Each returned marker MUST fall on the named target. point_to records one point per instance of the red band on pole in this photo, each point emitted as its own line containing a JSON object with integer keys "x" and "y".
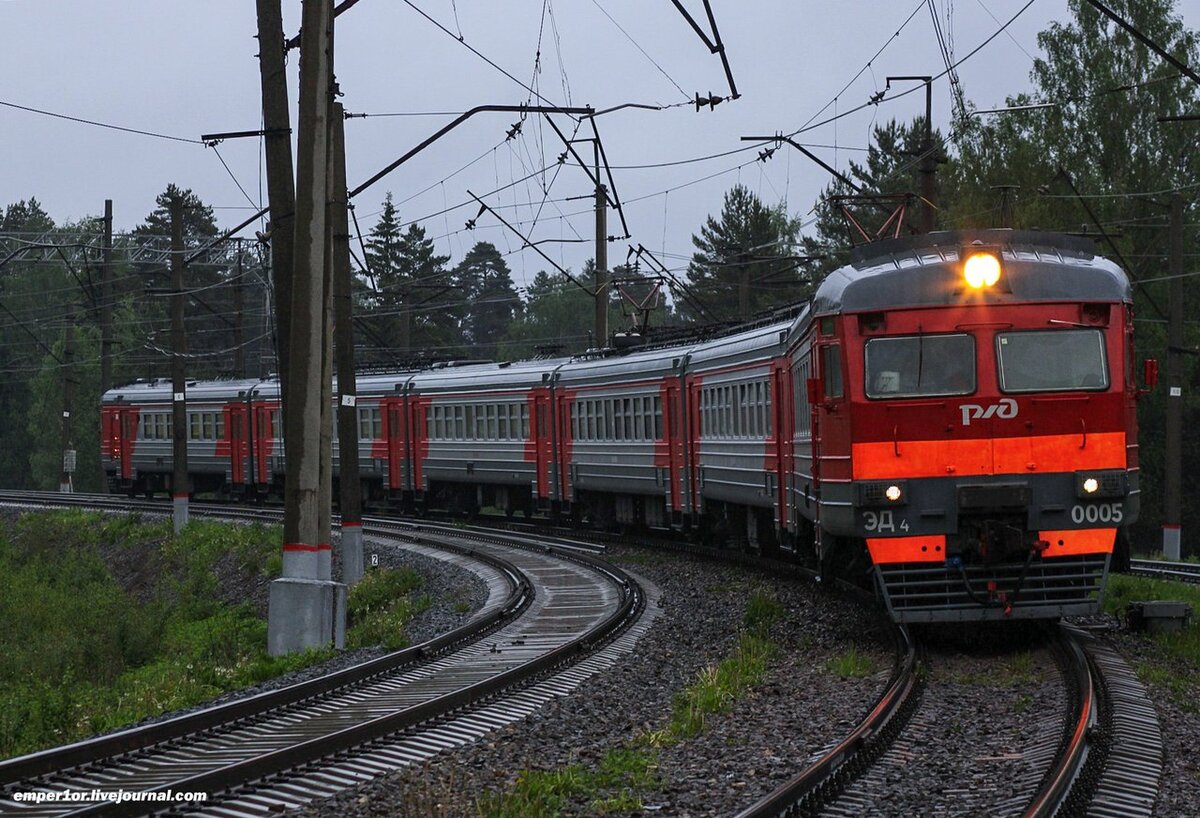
{"x": 181, "y": 496}
{"x": 294, "y": 546}
{"x": 350, "y": 524}
{"x": 324, "y": 547}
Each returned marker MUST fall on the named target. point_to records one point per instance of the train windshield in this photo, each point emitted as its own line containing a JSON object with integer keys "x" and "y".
{"x": 1052, "y": 360}
{"x": 920, "y": 366}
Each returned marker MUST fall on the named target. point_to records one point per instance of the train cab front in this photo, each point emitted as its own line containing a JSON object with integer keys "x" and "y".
{"x": 991, "y": 427}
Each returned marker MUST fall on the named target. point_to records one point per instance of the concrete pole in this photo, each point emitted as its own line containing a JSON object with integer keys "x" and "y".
{"x": 301, "y": 604}
{"x": 179, "y": 477}
{"x": 106, "y": 305}
{"x": 601, "y": 257}
{"x": 1172, "y": 515}
{"x": 106, "y": 301}
{"x": 281, "y": 190}
{"x": 350, "y": 485}
{"x": 928, "y": 164}
{"x": 239, "y": 319}
{"x": 65, "y": 484}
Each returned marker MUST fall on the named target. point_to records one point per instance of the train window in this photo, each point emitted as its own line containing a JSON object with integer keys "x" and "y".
{"x": 920, "y": 366}
{"x": 275, "y": 416}
{"x": 658, "y": 418}
{"x": 460, "y": 428}
{"x": 1052, "y": 360}
{"x": 755, "y": 413}
{"x": 194, "y": 426}
{"x": 493, "y": 432}
{"x": 524, "y": 421}
{"x": 768, "y": 423}
{"x": 370, "y": 423}
{"x": 831, "y": 370}
{"x": 627, "y": 412}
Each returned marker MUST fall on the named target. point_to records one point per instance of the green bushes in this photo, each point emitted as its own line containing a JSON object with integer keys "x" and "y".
{"x": 79, "y": 654}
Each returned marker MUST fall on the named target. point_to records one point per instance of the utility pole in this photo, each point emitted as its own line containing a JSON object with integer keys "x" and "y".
{"x": 928, "y": 160}
{"x": 744, "y": 287}
{"x": 301, "y": 607}
{"x": 106, "y": 299}
{"x": 350, "y": 487}
{"x": 68, "y": 451}
{"x": 179, "y": 478}
{"x": 1172, "y": 515}
{"x": 601, "y": 255}
{"x": 239, "y": 309}
{"x": 281, "y": 190}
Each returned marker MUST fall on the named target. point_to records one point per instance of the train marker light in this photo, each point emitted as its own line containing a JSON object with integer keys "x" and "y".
{"x": 981, "y": 270}
{"x": 893, "y": 493}
{"x": 1091, "y": 485}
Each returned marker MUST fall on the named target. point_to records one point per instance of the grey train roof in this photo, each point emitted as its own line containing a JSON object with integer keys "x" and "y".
{"x": 917, "y": 271}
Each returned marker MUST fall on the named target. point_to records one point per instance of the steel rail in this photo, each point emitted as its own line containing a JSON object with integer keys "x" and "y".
{"x": 1057, "y": 785}
{"x": 232, "y": 776}
{"x": 1160, "y": 569}
{"x": 108, "y": 746}
{"x": 872, "y": 734}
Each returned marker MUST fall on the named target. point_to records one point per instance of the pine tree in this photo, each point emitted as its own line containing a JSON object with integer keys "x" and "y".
{"x": 490, "y": 301}
{"x": 744, "y": 261}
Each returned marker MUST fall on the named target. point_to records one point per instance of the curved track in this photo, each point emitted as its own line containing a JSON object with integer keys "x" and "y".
{"x": 828, "y": 775}
{"x": 556, "y": 607}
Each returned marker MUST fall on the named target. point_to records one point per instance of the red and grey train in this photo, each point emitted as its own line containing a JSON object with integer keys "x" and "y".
{"x": 952, "y": 414}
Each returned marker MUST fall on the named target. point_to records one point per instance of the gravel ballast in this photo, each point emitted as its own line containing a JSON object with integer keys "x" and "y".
{"x": 800, "y": 706}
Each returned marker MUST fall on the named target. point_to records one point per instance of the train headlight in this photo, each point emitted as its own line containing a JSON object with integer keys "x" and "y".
{"x": 981, "y": 270}
{"x": 1092, "y": 485}
{"x": 882, "y": 493}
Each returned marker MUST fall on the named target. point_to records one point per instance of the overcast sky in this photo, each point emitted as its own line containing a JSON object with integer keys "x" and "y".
{"x": 181, "y": 68}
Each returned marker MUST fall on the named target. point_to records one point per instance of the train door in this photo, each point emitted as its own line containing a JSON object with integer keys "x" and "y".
{"x": 124, "y": 431}
{"x": 565, "y": 440}
{"x": 235, "y": 423}
{"x": 691, "y": 428}
{"x": 673, "y": 430}
{"x": 264, "y": 440}
{"x": 540, "y": 433}
{"x": 397, "y": 446}
{"x": 780, "y": 438}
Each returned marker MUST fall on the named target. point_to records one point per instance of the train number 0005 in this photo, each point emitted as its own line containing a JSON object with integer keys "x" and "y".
{"x": 1097, "y": 513}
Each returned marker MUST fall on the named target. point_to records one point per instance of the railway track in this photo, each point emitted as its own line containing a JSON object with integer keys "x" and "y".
{"x": 557, "y": 615}
{"x": 1100, "y": 756}
{"x": 1160, "y": 569}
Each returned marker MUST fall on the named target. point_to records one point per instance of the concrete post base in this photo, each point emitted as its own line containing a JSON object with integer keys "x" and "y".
{"x": 179, "y": 511}
{"x": 1171, "y": 543}
{"x": 301, "y": 614}
{"x": 352, "y": 553}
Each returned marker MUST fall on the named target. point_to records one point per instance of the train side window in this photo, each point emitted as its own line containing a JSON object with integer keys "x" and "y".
{"x": 627, "y": 411}
{"x": 769, "y": 424}
{"x": 460, "y": 428}
{"x": 658, "y": 418}
{"x": 831, "y": 371}
{"x": 639, "y": 420}
{"x": 193, "y": 425}
{"x": 524, "y": 421}
{"x": 275, "y": 424}
{"x": 493, "y": 431}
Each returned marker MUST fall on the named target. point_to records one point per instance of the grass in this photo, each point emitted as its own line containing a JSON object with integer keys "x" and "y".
{"x": 381, "y": 606}
{"x": 610, "y": 787}
{"x": 81, "y": 655}
{"x": 1176, "y": 656}
{"x": 851, "y": 664}
{"x": 613, "y": 786}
